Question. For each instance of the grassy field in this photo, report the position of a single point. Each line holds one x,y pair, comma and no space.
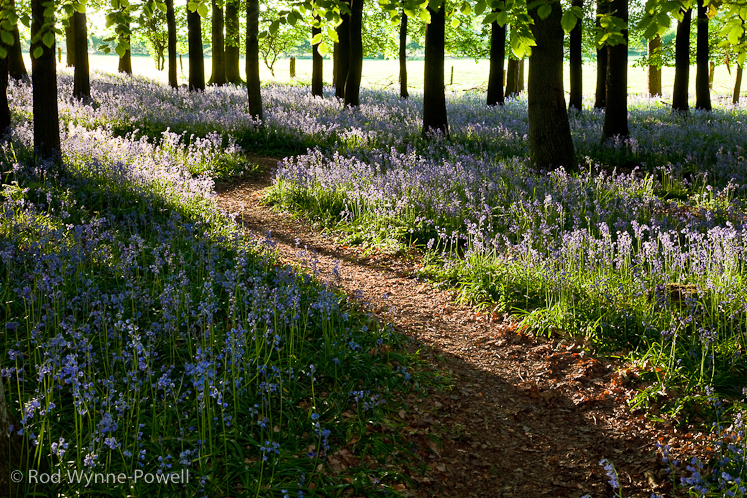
468,74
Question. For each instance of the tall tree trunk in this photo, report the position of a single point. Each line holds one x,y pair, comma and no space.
317,66
512,78
343,58
196,58
232,42
70,42
653,71
737,86
682,64
702,87
16,66
125,62
355,67
520,79
550,143
600,93
252,60
335,60
4,128
576,61
434,96
497,56
218,76
403,57
171,27
711,74
44,80
81,77
616,114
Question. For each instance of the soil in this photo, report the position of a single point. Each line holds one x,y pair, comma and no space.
525,417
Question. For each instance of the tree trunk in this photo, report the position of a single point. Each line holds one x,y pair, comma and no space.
70,42
317,66
16,66
125,62
711,75
403,57
653,72
335,60
682,64
434,96
520,79
231,51
616,114
4,129
702,86
576,61
81,77
737,86
497,56
550,142
196,58
252,60
355,67
600,94
512,78
44,72
343,57
171,27
218,75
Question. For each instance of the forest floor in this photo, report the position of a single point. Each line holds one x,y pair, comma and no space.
525,416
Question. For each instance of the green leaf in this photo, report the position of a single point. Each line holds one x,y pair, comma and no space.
332,33
317,39
651,31
3,52
741,58
491,18
454,22
162,7
466,8
568,21
425,15
48,40
544,11
38,52
502,18
323,49
202,10
6,37
274,27
120,50
480,7
735,34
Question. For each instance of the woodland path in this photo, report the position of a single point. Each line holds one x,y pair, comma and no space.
525,418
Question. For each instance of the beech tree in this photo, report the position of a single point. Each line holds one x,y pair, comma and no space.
616,100
497,58
600,94
16,65
232,42
355,62
576,58
434,98
682,63
702,84
218,73
171,28
653,69
194,38
81,77
317,77
550,142
44,81
252,60
403,56
342,51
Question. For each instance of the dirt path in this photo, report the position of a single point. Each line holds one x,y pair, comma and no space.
525,418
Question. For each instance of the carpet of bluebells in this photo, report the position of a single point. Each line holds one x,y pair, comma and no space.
144,331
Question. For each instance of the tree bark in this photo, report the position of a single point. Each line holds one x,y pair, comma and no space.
125,62
343,57
512,78
317,66
231,53
576,61
653,72
434,96
682,64
4,129
196,58
497,57
702,86
550,143
403,57
335,60
737,86
355,67
218,74
16,66
81,77
44,81
616,114
252,60
70,42
171,27
520,79
600,95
